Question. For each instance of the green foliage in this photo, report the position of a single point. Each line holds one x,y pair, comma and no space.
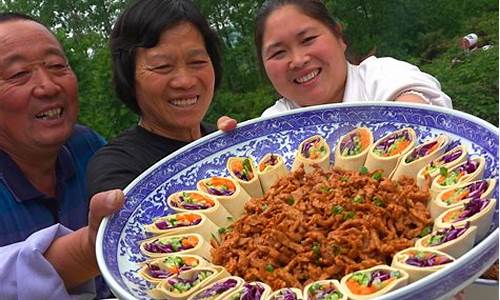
423,32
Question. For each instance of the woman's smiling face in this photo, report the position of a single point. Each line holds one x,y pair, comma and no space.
305,62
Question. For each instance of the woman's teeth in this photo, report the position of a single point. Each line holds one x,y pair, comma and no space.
184,102
50,114
308,77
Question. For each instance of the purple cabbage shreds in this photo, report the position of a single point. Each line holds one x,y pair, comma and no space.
468,167
381,275
327,290
272,160
472,207
194,206
217,289
420,151
433,260
288,294
176,280
241,176
156,247
452,145
452,156
219,192
347,142
477,188
252,291
451,233
156,272
166,225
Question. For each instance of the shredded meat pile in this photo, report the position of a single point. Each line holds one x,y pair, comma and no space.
322,225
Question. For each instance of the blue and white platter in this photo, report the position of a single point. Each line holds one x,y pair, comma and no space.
119,235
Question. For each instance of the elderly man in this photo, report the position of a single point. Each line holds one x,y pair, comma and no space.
46,248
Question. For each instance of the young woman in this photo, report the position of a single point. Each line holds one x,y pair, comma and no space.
307,65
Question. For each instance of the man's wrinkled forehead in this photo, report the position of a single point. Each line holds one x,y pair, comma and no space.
19,37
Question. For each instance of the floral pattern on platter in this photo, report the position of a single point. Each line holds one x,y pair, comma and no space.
146,199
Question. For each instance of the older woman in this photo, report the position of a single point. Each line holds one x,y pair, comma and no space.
166,67
306,63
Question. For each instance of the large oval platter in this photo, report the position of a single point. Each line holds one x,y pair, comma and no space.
118,239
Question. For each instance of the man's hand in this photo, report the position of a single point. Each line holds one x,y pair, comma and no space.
226,124
73,255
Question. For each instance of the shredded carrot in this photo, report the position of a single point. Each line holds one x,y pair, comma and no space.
401,146
237,165
191,218
189,241
452,215
364,139
199,198
191,261
360,289
222,181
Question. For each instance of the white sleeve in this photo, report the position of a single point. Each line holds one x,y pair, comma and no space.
26,274
387,78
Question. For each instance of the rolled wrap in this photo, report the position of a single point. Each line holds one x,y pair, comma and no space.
196,201
458,195
478,212
163,245
448,160
412,162
386,153
159,269
383,279
420,262
324,290
469,170
313,150
454,240
243,170
186,222
227,191
352,149
271,168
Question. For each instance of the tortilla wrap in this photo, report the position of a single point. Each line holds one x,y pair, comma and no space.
313,150
380,155
241,167
352,149
270,174
233,199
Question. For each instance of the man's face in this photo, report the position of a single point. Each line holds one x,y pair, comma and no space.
38,90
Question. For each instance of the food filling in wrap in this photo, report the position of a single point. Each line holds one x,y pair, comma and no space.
192,201
268,163
285,294
171,265
370,282
314,148
250,291
473,190
177,220
215,290
181,285
218,187
445,235
354,143
470,209
446,158
451,178
422,151
171,245
323,291
394,144
242,169
425,259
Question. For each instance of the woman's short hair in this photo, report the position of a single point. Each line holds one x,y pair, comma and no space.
140,26
312,8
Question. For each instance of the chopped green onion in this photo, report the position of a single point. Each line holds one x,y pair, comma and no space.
269,268
363,170
337,209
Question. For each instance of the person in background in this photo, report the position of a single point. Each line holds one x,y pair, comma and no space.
47,248
307,65
166,67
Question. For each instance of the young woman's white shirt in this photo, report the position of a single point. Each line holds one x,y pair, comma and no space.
381,79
